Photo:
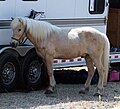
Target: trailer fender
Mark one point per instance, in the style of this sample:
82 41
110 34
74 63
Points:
19 51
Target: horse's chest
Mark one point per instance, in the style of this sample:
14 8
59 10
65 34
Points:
40 52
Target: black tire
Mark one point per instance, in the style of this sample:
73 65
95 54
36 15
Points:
34 71
9 71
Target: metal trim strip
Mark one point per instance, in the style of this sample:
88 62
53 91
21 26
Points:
5 24
77 22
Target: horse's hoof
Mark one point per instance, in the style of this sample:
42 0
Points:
51 95
84 90
97 94
48 92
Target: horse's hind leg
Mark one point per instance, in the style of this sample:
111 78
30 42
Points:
98 64
90 66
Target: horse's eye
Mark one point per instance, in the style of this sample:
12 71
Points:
19 30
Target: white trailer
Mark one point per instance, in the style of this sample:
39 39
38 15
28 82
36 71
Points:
21 65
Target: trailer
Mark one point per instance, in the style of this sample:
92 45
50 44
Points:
21 67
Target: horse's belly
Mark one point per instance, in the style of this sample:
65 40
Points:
67 53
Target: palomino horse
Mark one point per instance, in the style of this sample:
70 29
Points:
53 42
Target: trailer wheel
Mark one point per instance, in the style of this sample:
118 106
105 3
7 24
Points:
34 71
9 71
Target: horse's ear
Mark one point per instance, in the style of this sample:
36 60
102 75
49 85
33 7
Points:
20 20
12 18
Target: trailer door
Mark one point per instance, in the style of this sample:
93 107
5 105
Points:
7 9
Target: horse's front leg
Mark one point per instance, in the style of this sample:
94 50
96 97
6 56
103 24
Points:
52 82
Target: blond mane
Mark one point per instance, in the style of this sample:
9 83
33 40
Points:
38 29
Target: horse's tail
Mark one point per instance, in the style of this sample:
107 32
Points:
105 59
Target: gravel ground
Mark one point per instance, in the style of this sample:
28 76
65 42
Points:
67 97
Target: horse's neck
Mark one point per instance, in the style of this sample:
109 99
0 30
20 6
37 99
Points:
28 21
32 40
64 32
60 32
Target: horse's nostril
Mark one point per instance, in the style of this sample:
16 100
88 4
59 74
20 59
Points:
12 44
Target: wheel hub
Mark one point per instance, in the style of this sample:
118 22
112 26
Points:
8 73
34 71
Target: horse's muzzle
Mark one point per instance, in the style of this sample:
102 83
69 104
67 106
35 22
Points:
13 45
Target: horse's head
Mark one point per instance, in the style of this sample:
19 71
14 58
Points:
18 26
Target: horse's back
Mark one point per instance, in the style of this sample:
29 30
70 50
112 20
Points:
86 33
87 30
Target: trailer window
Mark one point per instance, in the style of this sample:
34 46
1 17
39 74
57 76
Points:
30 0
96 6
2 0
